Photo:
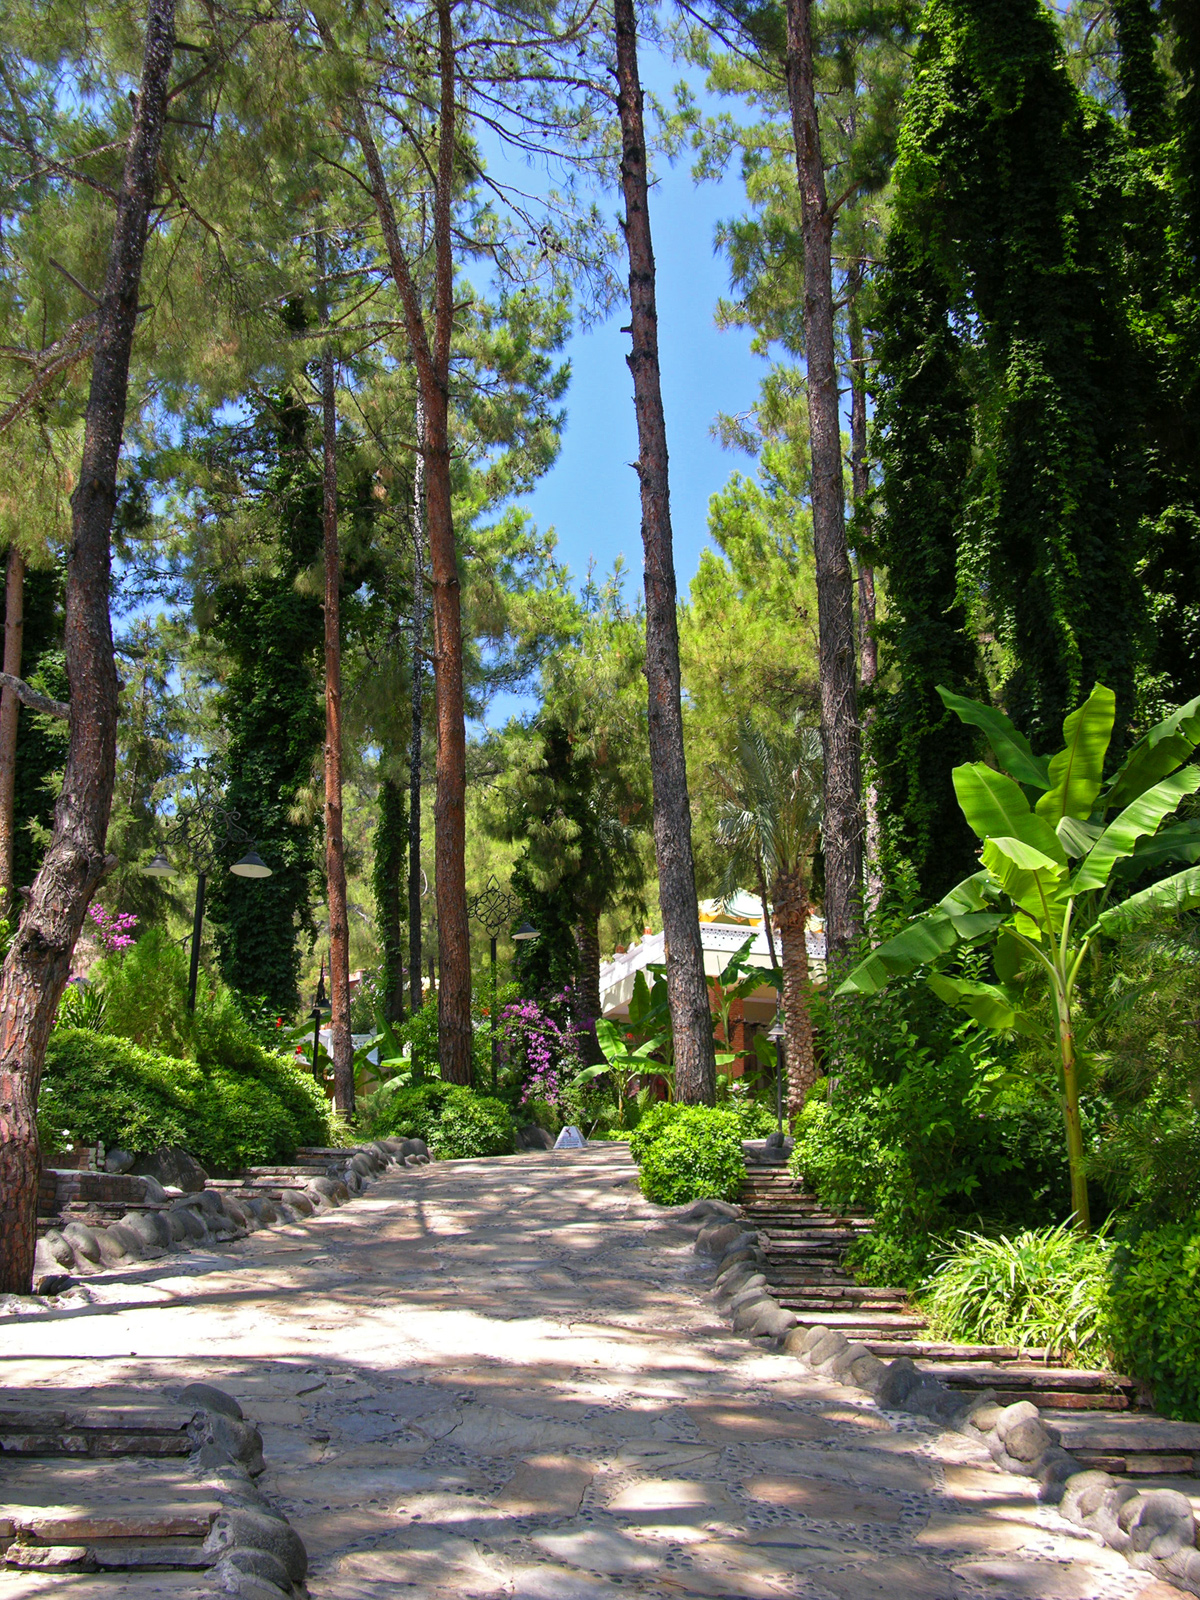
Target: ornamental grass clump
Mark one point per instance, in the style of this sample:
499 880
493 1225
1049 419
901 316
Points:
1045 1288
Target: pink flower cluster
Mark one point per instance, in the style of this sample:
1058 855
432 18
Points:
114 929
546 1050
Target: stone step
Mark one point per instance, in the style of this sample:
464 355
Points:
862 1322
1135 1444
94 1430
921 1350
1064 1388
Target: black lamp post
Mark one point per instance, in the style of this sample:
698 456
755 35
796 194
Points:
492 908
320 1009
204 832
778 1035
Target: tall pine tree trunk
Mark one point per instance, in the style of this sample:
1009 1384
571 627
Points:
791 917
10 706
39 960
687 989
837 657
868 648
431 357
335 859
418 723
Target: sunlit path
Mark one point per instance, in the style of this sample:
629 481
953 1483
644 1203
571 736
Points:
504 1378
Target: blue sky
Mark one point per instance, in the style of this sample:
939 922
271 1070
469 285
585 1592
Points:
590 496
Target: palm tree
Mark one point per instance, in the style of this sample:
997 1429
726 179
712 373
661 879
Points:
769 824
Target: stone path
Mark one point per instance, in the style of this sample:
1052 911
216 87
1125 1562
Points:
506 1378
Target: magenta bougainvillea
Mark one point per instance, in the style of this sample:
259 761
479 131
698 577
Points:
114 929
539 1041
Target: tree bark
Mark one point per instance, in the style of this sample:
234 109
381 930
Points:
791 917
38 962
432 361
840 736
418 722
10 707
335 857
687 989
868 648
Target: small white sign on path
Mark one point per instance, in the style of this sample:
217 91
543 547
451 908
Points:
570 1139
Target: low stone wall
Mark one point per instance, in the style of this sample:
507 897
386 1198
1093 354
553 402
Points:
1154 1528
161 1222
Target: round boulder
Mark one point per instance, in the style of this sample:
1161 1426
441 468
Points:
240 1528
57 1248
84 1246
149 1228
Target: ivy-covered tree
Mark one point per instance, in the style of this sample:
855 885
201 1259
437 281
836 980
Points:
270 708
1020 377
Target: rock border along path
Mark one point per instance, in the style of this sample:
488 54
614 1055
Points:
504 1378
1155 1527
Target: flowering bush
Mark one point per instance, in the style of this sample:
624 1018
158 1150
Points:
114 929
538 1044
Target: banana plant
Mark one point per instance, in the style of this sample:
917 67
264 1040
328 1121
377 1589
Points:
1059 844
625 1063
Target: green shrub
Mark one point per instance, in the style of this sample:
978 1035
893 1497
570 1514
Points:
454 1121
929 1129
1153 1316
96 1087
696 1155
1043 1288
652 1124
145 994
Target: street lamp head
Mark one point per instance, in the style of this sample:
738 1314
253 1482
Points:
525 932
251 865
160 867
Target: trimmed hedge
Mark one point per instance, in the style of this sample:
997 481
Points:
690 1153
454 1121
97 1087
1154 1315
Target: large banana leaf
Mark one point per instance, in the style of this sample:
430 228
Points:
1032 880
1180 893
1138 819
990 801
1160 752
1077 771
1012 749
1179 843
962 915
985 1003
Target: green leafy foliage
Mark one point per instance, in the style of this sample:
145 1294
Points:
695 1155
1044 1288
97 1087
454 1121
1154 1315
1029 899
81 1006
1146 1158
929 1128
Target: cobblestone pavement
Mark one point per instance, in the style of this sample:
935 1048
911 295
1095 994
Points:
507 1378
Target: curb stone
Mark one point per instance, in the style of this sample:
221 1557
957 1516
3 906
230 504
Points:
1154 1529
209 1216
